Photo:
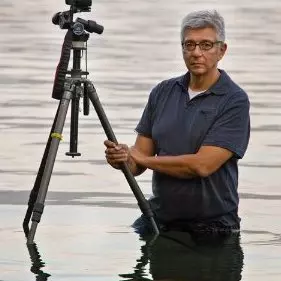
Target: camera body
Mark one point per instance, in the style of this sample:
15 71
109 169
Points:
82 5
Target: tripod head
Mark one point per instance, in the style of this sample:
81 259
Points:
78 31
65 19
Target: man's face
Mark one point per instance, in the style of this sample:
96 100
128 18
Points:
201 62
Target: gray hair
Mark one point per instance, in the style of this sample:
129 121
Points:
202 19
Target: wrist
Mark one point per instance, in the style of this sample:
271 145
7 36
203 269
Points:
147 161
144 161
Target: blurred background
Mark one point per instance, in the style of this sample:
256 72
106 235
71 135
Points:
84 232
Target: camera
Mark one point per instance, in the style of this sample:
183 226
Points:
82 5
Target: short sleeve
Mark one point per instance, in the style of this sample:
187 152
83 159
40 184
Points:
144 126
231 129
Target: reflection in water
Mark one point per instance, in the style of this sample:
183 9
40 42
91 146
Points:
37 263
179 256
140 47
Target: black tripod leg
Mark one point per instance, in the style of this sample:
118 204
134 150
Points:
51 157
142 202
34 192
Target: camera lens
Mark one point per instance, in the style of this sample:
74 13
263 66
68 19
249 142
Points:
79 3
83 3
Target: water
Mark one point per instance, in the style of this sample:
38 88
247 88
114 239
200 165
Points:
84 233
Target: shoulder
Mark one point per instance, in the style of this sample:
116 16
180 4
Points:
235 93
164 87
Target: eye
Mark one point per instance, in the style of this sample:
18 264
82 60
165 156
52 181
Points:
206 45
189 45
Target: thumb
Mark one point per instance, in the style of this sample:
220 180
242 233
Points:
118 147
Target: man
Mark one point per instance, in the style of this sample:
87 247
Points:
193 130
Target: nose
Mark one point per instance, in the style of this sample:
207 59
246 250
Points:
197 51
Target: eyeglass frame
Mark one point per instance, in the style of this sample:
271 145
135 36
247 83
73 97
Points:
198 44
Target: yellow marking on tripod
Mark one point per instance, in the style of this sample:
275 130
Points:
56 135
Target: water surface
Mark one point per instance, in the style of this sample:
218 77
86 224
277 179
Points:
84 233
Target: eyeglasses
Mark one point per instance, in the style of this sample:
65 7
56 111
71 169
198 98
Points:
203 45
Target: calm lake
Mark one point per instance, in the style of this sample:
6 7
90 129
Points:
85 231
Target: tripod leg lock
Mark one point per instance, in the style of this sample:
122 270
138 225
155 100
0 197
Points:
91 89
37 212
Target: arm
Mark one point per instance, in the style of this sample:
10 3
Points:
205 162
228 137
146 147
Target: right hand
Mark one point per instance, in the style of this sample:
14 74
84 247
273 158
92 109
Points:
116 154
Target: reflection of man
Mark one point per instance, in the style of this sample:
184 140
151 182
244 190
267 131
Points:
213 260
198 127
177 256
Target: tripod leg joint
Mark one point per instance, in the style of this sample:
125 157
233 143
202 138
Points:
37 212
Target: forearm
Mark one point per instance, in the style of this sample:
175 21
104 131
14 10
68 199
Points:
135 168
182 166
203 163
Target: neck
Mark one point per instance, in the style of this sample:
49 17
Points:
203 82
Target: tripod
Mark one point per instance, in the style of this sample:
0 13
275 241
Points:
69 90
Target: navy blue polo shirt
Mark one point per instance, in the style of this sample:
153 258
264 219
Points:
178 125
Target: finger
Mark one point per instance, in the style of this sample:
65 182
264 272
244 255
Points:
109 143
118 157
115 151
116 162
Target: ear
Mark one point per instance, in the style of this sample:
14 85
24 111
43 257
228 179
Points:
223 48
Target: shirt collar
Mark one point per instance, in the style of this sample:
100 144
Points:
221 87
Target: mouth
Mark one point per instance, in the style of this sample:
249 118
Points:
197 65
